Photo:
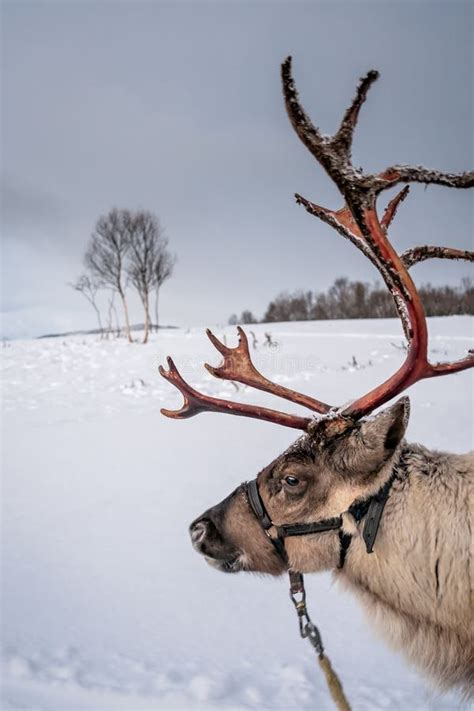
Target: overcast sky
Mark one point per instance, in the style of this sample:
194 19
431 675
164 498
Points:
176 107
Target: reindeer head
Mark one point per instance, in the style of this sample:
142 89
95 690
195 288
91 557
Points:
309 485
342 458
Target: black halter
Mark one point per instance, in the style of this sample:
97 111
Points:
372 507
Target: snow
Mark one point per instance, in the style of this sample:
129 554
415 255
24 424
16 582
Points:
105 604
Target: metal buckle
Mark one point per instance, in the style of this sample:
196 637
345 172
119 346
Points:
308 629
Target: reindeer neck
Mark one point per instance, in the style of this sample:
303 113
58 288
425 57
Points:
414 535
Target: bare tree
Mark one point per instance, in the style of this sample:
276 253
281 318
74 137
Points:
88 287
248 317
144 235
105 255
162 269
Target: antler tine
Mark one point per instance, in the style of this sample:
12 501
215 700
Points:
343 138
218 345
417 174
192 401
238 366
413 370
420 254
392 207
308 133
455 367
196 402
236 360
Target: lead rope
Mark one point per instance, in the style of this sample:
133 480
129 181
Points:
309 630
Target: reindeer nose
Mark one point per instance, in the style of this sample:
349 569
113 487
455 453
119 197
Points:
199 529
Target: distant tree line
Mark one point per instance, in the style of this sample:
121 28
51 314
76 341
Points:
245 318
126 249
357 299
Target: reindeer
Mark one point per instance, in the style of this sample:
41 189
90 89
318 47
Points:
351 495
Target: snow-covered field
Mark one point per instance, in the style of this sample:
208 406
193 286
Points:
105 604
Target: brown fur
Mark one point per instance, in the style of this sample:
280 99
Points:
417 586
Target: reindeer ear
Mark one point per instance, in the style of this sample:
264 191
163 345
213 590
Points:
386 430
369 446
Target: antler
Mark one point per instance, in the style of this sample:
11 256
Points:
195 402
357 221
238 367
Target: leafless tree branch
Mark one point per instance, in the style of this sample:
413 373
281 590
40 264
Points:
88 287
106 253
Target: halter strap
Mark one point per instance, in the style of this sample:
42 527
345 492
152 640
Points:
372 508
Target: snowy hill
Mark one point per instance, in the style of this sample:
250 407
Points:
95 331
105 604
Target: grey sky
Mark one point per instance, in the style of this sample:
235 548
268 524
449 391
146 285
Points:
177 108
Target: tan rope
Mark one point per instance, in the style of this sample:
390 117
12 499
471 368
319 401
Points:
334 684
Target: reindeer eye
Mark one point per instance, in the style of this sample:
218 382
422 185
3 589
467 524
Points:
292 480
